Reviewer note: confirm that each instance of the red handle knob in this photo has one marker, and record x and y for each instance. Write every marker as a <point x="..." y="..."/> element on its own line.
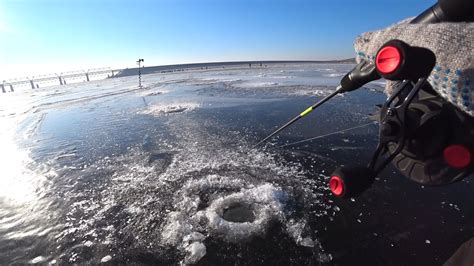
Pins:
<point x="347" y="182"/>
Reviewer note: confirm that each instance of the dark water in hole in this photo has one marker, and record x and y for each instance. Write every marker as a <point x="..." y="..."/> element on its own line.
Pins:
<point x="239" y="214"/>
<point x="102" y="172"/>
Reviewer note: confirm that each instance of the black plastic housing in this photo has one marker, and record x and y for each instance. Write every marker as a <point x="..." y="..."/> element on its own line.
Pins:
<point x="457" y="10"/>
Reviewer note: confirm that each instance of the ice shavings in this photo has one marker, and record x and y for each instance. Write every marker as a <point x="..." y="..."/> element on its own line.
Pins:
<point x="185" y="227"/>
<point x="170" y="108"/>
<point x="267" y="203"/>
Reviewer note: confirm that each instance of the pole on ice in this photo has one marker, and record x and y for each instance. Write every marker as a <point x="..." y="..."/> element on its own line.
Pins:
<point x="139" y="62"/>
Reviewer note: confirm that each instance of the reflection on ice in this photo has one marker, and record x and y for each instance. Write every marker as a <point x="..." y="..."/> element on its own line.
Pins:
<point x="17" y="182"/>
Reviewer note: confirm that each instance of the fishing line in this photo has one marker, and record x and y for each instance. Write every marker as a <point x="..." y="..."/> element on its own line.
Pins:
<point x="326" y="135"/>
<point x="308" y="110"/>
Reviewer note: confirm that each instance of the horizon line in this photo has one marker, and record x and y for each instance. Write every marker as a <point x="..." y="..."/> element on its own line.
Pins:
<point x="27" y="77"/>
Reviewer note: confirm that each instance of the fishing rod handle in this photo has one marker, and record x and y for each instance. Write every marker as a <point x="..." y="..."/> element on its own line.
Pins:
<point x="448" y="11"/>
<point x="347" y="182"/>
<point x="396" y="60"/>
<point x="361" y="74"/>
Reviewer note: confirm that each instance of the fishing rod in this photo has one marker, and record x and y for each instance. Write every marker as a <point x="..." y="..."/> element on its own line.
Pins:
<point x="301" y="115"/>
<point x="362" y="74"/>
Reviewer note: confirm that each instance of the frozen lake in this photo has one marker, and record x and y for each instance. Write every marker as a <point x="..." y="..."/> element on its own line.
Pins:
<point x="107" y="172"/>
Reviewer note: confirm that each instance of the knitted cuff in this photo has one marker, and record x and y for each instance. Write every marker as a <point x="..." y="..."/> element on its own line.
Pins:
<point x="453" y="45"/>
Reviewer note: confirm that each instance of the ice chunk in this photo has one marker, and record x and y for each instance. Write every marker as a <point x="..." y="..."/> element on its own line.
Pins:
<point x="307" y="242"/>
<point x="195" y="252"/>
<point x="38" y="259"/>
<point x="194" y="236"/>
<point x="106" y="258"/>
<point x="296" y="231"/>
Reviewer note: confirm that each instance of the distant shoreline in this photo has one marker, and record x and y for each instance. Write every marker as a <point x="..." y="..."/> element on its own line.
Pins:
<point x="196" y="66"/>
<point x="32" y="81"/>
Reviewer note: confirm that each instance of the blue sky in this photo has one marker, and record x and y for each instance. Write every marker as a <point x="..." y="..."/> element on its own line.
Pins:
<point x="47" y="36"/>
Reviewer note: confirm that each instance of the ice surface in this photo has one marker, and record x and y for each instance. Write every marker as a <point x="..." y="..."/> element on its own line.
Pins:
<point x="149" y="173"/>
<point x="168" y="189"/>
